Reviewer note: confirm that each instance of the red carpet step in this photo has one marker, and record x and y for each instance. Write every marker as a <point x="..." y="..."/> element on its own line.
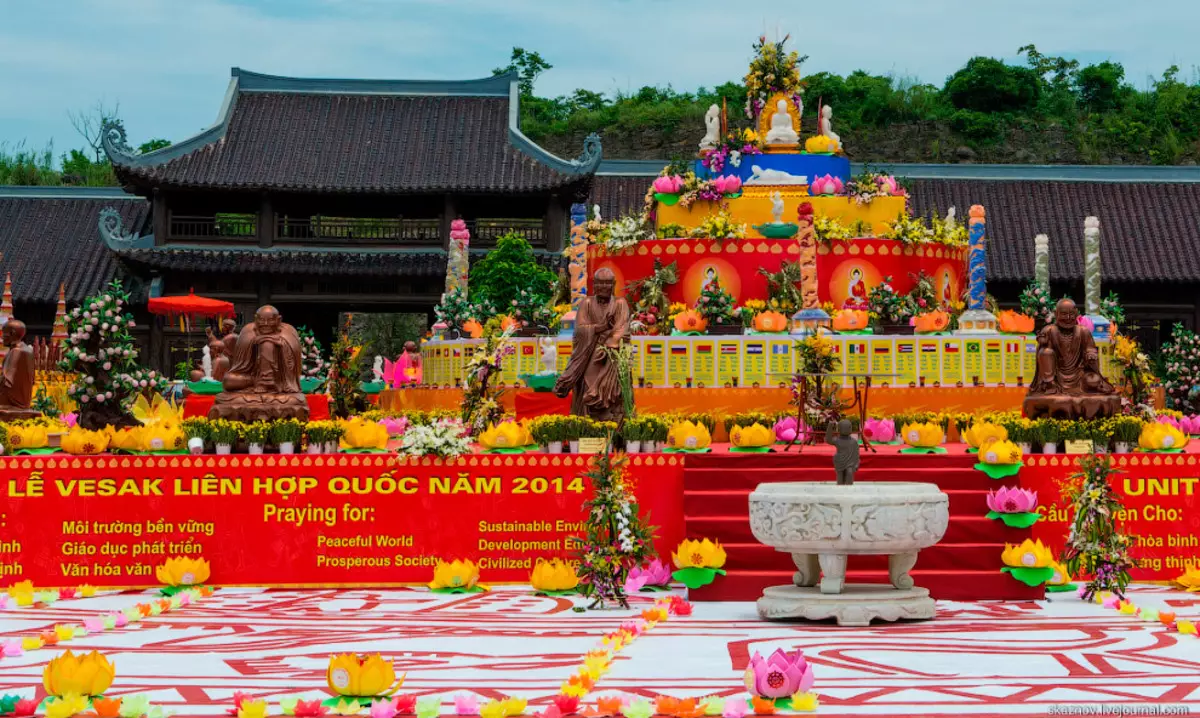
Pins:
<point x="965" y="565"/>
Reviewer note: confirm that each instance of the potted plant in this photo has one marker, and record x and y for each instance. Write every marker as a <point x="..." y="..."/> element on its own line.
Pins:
<point x="225" y="434"/>
<point x="286" y="433"/>
<point x="656" y="433"/>
<point x="1125" y="433"/>
<point x="1021" y="433"/>
<point x="717" y="307"/>
<point x="318" y="433"/>
<point x="197" y="432"/>
<point x="634" y="431"/>
<point x="256" y="434"/>
<point x="572" y="431"/>
<point x="892" y="311"/>
<point x="1048" y="435"/>
<point x="544" y="430"/>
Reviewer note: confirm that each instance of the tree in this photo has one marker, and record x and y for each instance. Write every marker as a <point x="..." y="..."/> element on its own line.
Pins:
<point x="154" y="144"/>
<point x="1100" y="86"/>
<point x="508" y="269"/>
<point x="528" y="65"/>
<point x="1063" y="70"/>
<point x="988" y="85"/>
<point x="89" y="124"/>
<point x="384" y="334"/>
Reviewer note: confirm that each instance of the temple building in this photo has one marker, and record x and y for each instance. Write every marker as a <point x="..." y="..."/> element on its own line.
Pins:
<point x="328" y="196"/>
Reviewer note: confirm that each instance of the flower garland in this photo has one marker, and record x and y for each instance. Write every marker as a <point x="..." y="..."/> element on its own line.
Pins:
<point x="1094" y="543"/>
<point x="869" y="185"/>
<point x="616" y="538"/>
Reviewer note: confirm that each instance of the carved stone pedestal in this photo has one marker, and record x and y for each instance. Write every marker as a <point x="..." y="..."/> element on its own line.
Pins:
<point x="856" y="605"/>
<point x="821" y="524"/>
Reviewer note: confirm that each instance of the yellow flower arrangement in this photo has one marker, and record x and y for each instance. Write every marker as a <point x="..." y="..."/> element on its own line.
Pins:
<point x="362" y="676"/>
<point x="553" y="576"/>
<point x="183" y="571"/>
<point x="981" y="431"/>
<point x="1028" y="554"/>
<point x="81" y="442"/>
<point x="820" y="144"/>
<point x="83" y="675"/>
<point x="27" y="436"/>
<point x="688" y="436"/>
<point x="718" y="226"/>
<point x="753" y="436"/>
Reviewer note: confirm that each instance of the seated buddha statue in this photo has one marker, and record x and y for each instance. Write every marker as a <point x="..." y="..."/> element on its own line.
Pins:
<point x="17" y="376"/>
<point x="782" y="132"/>
<point x="263" y="380"/>
<point x="1068" y="383"/>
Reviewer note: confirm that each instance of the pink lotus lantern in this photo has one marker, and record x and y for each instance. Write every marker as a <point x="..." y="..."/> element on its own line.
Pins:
<point x="1190" y="424"/>
<point x="780" y="676"/>
<point x="1172" y="421"/>
<point x="826" y="186"/>
<point x="1085" y="323"/>
<point x="671" y="184"/>
<point x="880" y="430"/>
<point x="728" y="184"/>
<point x="888" y="184"/>
<point x="1005" y="500"/>
<point x="654" y="573"/>
<point x="395" y="427"/>
<point x="788" y="429"/>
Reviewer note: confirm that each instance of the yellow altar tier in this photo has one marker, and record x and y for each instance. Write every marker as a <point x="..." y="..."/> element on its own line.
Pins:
<point x="754" y="207"/>
<point x="770" y="360"/>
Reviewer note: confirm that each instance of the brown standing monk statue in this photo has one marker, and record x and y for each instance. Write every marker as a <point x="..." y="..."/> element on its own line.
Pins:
<point x="1068" y="383"/>
<point x="16" y="384"/>
<point x="263" y="381"/>
<point x="591" y="377"/>
<point x="845" y="459"/>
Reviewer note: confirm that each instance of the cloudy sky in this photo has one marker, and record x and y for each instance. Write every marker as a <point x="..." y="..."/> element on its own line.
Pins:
<point x="166" y="62"/>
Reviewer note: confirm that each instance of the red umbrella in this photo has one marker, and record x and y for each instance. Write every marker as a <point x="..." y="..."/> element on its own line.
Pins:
<point x="191" y="305"/>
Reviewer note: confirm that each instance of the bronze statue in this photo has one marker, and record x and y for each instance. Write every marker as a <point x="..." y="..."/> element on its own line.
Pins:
<point x="1068" y="383"/>
<point x="229" y="336"/>
<point x="218" y="357"/>
<point x="845" y="460"/>
<point x="17" y="377"/>
<point x="601" y="322"/>
<point x="263" y="381"/>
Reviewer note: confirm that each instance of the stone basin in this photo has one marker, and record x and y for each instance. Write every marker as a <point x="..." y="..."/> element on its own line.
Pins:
<point x="820" y="524"/>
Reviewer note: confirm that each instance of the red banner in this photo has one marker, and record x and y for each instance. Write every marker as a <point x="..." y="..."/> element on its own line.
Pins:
<point x="1161" y="496"/>
<point x="304" y="520"/>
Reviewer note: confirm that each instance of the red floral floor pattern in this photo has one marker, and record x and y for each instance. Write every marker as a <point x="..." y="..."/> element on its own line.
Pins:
<point x="976" y="659"/>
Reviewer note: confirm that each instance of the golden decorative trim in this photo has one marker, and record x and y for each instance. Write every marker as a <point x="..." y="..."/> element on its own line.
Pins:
<point x="762" y="247"/>
<point x="671" y="249"/>
<point x="822" y="250"/>
<point x="685" y="249"/>
<point x="642" y="250"/>
<point x="701" y="248"/>
<point x="855" y="250"/>
<point x="839" y="249"/>
<point x="792" y="249"/>
<point x="731" y="248"/>
<point x="869" y="250"/>
<point x="656" y="250"/>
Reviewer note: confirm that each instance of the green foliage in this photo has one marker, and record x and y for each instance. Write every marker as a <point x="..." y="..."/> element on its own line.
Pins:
<point x="528" y="66"/>
<point x="989" y="85"/>
<point x="511" y="267"/>
<point x="384" y="334"/>
<point x="155" y="144"/>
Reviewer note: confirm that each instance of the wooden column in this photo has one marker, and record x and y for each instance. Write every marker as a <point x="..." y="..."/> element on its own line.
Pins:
<point x="264" y="290"/>
<point x="160" y="223"/>
<point x="553" y="224"/>
<point x="449" y="214"/>
<point x="266" y="221"/>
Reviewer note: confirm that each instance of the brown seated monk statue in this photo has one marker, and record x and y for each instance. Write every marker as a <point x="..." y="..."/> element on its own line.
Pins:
<point x="17" y="377"/>
<point x="1068" y="384"/>
<point x="263" y="381"/>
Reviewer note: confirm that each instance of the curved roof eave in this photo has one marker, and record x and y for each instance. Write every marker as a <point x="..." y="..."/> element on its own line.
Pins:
<point x="588" y="162"/>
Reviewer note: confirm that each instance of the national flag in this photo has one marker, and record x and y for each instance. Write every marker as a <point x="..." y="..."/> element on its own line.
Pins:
<point x="457" y="353"/>
<point x="527" y="350"/>
<point x="779" y="348"/>
<point x="927" y="348"/>
<point x="904" y="348"/>
<point x="565" y="350"/>
<point x="857" y="348"/>
<point x="882" y="349"/>
<point x="654" y="348"/>
<point x="973" y="347"/>
<point x="701" y="349"/>
<point x="993" y="347"/>
<point x="951" y="348"/>
<point x="729" y="349"/>
<point x="1012" y="347"/>
<point x="754" y="348"/>
<point x="677" y="349"/>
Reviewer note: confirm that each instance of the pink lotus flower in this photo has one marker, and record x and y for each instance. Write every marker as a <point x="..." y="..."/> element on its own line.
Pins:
<point x="671" y="184"/>
<point x="1111" y="601"/>
<point x="779" y="676"/>
<point x="880" y="430"/>
<point x="889" y="185"/>
<point x="458" y="230"/>
<point x="119" y="620"/>
<point x="735" y="708"/>
<point x="466" y="704"/>
<point x="395" y="427"/>
<point x="70" y="419"/>
<point x="728" y="184"/>
<point x="1005" y="500"/>
<point x="788" y="428"/>
<point x="1085" y="323"/>
<point x="654" y="573"/>
<point x="1170" y="420"/>
<point x="827" y="185"/>
<point x="1190" y="424"/>
<point x="93" y="625"/>
<point x="13" y="649"/>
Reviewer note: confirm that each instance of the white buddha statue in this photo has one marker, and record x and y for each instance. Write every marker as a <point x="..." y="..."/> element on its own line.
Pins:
<point x="712" y="128"/>
<point x="758" y="175"/>
<point x="827" y="125"/>
<point x="776" y="207"/>
<point x="782" y="132"/>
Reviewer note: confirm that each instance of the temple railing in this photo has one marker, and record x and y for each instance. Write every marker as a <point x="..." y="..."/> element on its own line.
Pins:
<point x="487" y="231"/>
<point x="357" y="230"/>
<point x="213" y="227"/>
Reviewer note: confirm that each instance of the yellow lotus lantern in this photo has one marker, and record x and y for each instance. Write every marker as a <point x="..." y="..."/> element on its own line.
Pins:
<point x="1061" y="576"/>
<point x="505" y="435"/>
<point x="66" y="706"/>
<point x="1012" y="322"/>
<point x="183" y="571"/>
<point x="553" y="576"/>
<point x="931" y="322"/>
<point x="161" y="436"/>
<point x="125" y="439"/>
<point x="978" y="433"/>
<point x="689" y="320"/>
<point x="362" y="676"/>
<point x="768" y="322"/>
<point x="1157" y="436"/>
<point x="688" y="436"/>
<point x="472" y="329"/>
<point x="28" y="436"/>
<point x="155" y="411"/>
<point x="820" y="144"/>
<point x="753" y="436"/>
<point x="456" y="577"/>
<point x="923" y="436"/>
<point x="1000" y="452"/>
<point x="699" y="554"/>
<point x="1028" y="554"/>
<point x="82" y="442"/>
<point x="851" y="320"/>
<point x="83" y="675"/>
<point x="360" y="434"/>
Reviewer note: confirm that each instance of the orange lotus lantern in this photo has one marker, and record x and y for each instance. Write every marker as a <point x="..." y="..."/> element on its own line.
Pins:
<point x="930" y="322"/>
<point x="851" y="320"/>
<point x="1012" y="322"/>
<point x="689" y="320"/>
<point x="770" y="322"/>
<point x="509" y="324"/>
<point x="472" y="329"/>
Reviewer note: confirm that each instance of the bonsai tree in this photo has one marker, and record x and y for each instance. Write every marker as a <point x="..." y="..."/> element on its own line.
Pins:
<point x="101" y="352"/>
<point x="313" y="363"/>
<point x="510" y="278"/>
